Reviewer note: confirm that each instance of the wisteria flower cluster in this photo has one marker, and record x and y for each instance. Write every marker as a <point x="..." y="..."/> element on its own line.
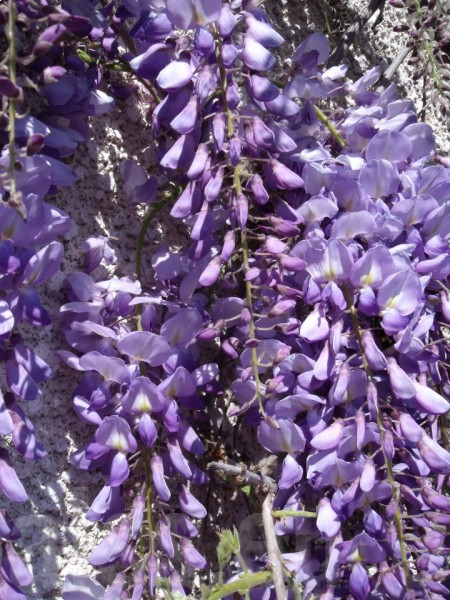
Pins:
<point x="317" y="271"/>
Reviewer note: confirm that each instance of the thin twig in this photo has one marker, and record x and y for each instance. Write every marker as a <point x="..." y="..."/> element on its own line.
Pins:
<point x="273" y="551"/>
<point x="249" y="476"/>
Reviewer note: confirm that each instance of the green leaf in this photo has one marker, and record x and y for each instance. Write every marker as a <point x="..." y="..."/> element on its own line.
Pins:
<point x="84" y="56"/>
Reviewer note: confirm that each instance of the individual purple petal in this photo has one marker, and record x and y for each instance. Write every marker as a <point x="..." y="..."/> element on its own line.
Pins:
<point x="283" y="177"/>
<point x="143" y="396"/>
<point x="159" y="481"/>
<point x="177" y="458"/>
<point x="359" y="582"/>
<point x="138" y="187"/>
<point x="389" y="145"/>
<point x="315" y="327"/>
<point x="109" y="367"/>
<point x="107" y="506"/>
<point x="183" y="12"/>
<point x="185" y="121"/>
<point x="6" y="318"/>
<point x="191" y="555"/>
<point x="12" y="567"/>
<point x="226" y="21"/>
<point x="25" y="304"/>
<point x="180" y="155"/>
<point x="401" y="291"/>
<point x="109" y="550"/>
<point x="165" y="536"/>
<point x="43" y="265"/>
<point x="190" y="440"/>
<point x="83" y="587"/>
<point x="20" y="382"/>
<point x="374" y="356"/>
<point x="119" y="470"/>
<point x="175" y="75"/>
<point x="182" y="328"/>
<point x="255" y="56"/>
<point x="422" y="139"/>
<point x="291" y="473"/>
<point x="361" y="548"/>
<point x="262" y="89"/>
<point x="205" y="374"/>
<point x="435" y="500"/>
<point x="434" y="455"/>
<point x="139" y="505"/>
<point x="115" y="433"/>
<point x="147" y="430"/>
<point x="379" y="178"/>
<point x="282" y="106"/>
<point x="262" y="32"/>
<point x="145" y="346"/>
<point x="203" y="42"/>
<point x="287" y="438"/>
<point x="410" y="429"/>
<point x="350" y="225"/>
<point x="328" y="522"/>
<point x="373" y="267"/>
<point x="317" y="43"/>
<point x="10" y="484"/>
<point x="368" y="475"/>
<point x="401" y="384"/>
<point x="330" y="437"/>
<point x="429" y="401"/>
<point x="328" y="262"/>
<point x="180" y="383"/>
<point x="189" y="504"/>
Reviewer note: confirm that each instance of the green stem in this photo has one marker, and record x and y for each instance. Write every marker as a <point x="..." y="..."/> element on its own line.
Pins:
<point x="149" y="500"/>
<point x="277" y="514"/>
<point x="329" y="125"/>
<point x="238" y="190"/>
<point x="243" y="584"/>
<point x="387" y="461"/>
<point x="12" y="102"/>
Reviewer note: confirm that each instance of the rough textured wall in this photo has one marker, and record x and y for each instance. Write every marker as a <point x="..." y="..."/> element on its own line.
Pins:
<point x="56" y="537"/>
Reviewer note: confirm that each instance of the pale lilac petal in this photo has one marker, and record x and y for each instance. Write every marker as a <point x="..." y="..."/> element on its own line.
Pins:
<point x="350" y="225"/>
<point x="191" y="555"/>
<point x="159" y="481"/>
<point x="262" y="32"/>
<point x="328" y="522"/>
<point x="147" y="430"/>
<point x="175" y="75"/>
<point x="119" y="470"/>
<point x="401" y="384"/>
<point x="315" y="327"/>
<point x="401" y="291"/>
<point x="111" y="547"/>
<point x="330" y="437"/>
<point x="291" y="473"/>
<point x="145" y="346"/>
<point x="255" y="56"/>
<point x="109" y="367"/>
<point x="429" y="401"/>
<point x="434" y="455"/>
<point x="143" y="396"/>
<point x="115" y="433"/>
<point x="10" y="484"/>
<point x="189" y="504"/>
<point x="43" y="265"/>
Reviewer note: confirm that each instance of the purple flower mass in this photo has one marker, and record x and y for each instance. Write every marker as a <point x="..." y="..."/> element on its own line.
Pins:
<point x="304" y="319"/>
